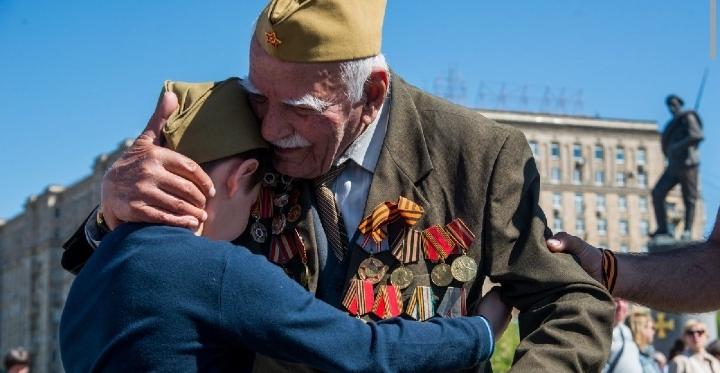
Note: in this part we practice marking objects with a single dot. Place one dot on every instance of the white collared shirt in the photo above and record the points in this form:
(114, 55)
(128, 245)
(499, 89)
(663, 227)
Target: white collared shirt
(352, 186)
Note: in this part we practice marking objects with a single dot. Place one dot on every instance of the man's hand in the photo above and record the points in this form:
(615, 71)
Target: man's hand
(590, 257)
(495, 311)
(153, 184)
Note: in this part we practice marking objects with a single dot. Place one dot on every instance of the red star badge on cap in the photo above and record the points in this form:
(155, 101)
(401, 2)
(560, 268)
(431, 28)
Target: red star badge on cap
(272, 39)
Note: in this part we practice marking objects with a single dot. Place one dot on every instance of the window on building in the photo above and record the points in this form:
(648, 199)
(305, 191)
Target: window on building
(535, 147)
(642, 179)
(599, 177)
(641, 156)
(599, 153)
(558, 224)
(644, 227)
(555, 150)
(577, 176)
(620, 154)
(579, 203)
(620, 178)
(577, 151)
(557, 200)
(580, 225)
(643, 204)
(622, 203)
(555, 175)
(600, 202)
(602, 227)
(624, 248)
(623, 227)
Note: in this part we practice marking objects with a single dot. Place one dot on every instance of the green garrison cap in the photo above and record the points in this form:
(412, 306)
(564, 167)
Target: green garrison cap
(321, 30)
(213, 121)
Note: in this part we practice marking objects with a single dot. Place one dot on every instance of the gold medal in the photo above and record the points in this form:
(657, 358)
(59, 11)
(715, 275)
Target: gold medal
(464, 268)
(441, 275)
(294, 214)
(372, 270)
(401, 277)
(305, 276)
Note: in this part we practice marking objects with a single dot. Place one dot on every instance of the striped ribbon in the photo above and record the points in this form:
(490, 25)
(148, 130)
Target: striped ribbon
(408, 245)
(438, 243)
(453, 303)
(358, 299)
(387, 212)
(284, 247)
(460, 232)
(265, 203)
(421, 306)
(388, 302)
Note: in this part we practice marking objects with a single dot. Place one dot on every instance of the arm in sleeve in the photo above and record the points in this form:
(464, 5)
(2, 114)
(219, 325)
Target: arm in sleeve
(694, 133)
(565, 316)
(264, 310)
(78, 247)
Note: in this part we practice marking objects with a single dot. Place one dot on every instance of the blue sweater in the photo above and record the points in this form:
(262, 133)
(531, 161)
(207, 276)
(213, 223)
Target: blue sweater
(155, 298)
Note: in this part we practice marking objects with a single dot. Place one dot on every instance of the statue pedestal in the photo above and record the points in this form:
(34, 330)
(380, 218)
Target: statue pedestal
(670, 325)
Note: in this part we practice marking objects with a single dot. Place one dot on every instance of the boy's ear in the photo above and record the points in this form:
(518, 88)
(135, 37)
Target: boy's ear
(241, 176)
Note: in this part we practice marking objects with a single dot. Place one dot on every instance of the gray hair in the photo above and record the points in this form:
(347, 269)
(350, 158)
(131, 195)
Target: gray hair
(355, 73)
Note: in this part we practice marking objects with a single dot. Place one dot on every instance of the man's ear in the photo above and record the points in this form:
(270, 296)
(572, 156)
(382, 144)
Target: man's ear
(375, 90)
(241, 176)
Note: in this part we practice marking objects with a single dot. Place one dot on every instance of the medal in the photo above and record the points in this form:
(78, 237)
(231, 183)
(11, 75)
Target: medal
(281, 200)
(438, 243)
(421, 305)
(460, 233)
(258, 232)
(401, 277)
(305, 276)
(278, 224)
(453, 303)
(464, 268)
(269, 179)
(294, 213)
(441, 275)
(372, 270)
(358, 299)
(388, 302)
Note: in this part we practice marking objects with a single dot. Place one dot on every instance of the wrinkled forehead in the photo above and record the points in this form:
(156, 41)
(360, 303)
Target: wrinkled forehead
(271, 76)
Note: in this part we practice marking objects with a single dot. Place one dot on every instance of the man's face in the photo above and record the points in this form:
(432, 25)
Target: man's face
(304, 112)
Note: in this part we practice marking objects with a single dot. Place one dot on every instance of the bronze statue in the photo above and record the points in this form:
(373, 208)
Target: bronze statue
(680, 142)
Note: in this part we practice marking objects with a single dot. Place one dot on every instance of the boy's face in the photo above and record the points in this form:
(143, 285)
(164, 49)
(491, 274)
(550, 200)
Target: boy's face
(237, 190)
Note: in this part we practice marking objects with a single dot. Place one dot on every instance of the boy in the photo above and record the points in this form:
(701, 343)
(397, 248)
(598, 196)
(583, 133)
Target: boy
(157, 298)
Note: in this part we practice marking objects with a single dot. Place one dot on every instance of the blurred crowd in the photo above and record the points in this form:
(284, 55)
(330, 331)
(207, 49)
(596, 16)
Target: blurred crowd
(632, 348)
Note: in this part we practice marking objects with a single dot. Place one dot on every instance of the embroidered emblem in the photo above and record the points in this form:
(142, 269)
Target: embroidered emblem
(272, 39)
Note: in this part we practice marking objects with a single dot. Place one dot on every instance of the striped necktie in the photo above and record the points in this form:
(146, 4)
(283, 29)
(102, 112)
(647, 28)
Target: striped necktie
(330, 216)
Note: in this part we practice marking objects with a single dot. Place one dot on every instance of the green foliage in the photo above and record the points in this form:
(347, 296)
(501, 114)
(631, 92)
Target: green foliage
(505, 348)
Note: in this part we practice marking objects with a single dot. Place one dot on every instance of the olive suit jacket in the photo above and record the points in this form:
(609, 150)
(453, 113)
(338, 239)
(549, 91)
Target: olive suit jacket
(456, 163)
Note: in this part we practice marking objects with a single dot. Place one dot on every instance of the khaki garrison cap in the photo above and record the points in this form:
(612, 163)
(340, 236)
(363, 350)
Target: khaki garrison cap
(321, 30)
(213, 121)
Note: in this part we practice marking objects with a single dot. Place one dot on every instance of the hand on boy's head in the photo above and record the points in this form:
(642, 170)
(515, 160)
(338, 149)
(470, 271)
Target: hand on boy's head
(152, 184)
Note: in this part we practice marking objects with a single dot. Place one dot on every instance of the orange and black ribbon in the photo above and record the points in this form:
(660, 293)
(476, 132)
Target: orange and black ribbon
(408, 245)
(374, 225)
(609, 269)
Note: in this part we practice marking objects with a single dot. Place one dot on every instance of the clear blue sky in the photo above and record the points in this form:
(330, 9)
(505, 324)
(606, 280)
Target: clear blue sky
(76, 77)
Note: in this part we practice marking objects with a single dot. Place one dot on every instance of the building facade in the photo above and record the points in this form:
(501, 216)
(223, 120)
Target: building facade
(596, 177)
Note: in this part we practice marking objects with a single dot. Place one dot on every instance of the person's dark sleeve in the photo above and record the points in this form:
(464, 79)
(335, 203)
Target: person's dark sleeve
(565, 316)
(78, 248)
(264, 310)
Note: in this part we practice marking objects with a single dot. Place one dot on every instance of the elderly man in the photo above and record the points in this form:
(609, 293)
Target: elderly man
(681, 280)
(399, 192)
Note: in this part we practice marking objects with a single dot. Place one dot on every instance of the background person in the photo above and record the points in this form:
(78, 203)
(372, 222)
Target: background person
(695, 359)
(624, 353)
(17, 360)
(643, 330)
